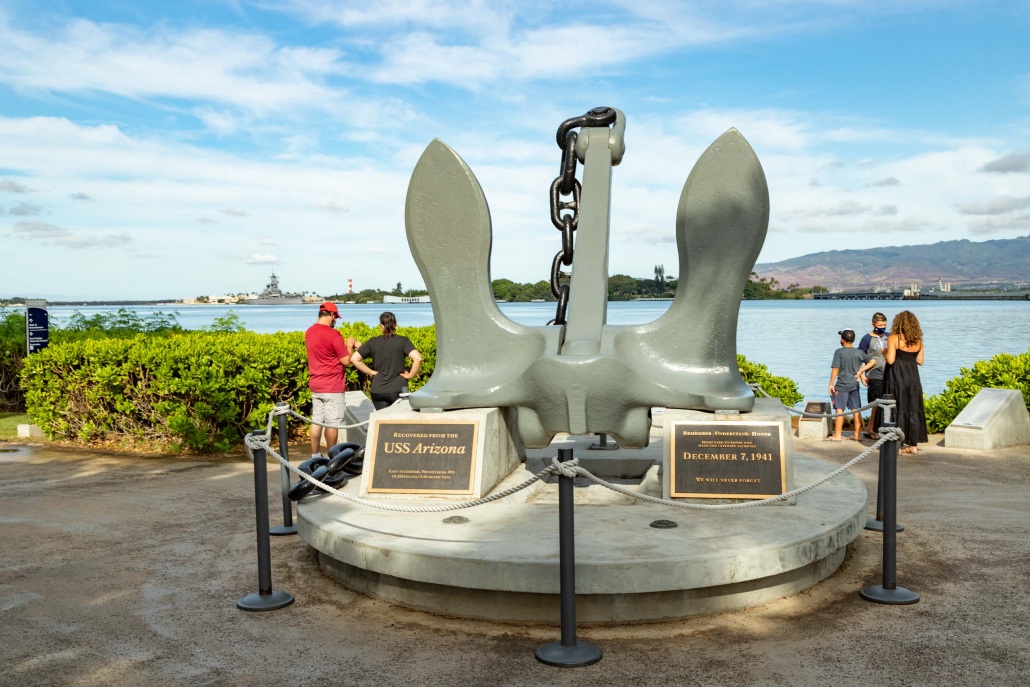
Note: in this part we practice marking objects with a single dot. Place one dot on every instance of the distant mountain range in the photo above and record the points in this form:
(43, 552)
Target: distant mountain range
(958, 262)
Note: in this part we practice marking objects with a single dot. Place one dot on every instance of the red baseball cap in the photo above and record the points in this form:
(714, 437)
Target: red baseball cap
(329, 306)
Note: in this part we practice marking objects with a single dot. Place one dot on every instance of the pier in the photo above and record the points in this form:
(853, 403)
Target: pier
(932, 296)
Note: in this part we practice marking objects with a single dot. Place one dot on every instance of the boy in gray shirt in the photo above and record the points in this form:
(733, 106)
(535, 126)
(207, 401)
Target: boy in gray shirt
(844, 377)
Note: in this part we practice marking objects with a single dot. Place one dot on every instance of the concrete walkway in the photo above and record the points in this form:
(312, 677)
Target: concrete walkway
(119, 570)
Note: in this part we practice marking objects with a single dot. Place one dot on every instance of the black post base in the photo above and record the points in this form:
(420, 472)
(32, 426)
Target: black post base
(877, 525)
(581, 654)
(282, 530)
(257, 601)
(899, 596)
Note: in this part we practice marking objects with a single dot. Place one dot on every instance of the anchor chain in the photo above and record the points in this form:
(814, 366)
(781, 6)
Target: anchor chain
(564, 186)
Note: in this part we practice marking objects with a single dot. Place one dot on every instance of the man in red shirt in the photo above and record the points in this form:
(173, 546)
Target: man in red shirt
(328, 357)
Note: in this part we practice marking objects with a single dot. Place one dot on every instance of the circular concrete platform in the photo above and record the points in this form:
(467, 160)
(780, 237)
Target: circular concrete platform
(502, 564)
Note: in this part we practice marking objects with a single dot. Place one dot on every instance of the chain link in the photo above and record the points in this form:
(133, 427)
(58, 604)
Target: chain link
(565, 213)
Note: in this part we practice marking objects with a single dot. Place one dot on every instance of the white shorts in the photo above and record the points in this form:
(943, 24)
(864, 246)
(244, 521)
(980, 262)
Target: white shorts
(327, 408)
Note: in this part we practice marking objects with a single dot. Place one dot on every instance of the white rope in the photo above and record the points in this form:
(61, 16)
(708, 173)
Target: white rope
(568, 469)
(254, 442)
(286, 410)
(884, 403)
(887, 435)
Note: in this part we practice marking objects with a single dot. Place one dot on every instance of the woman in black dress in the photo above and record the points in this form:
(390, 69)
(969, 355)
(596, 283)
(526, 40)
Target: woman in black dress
(901, 378)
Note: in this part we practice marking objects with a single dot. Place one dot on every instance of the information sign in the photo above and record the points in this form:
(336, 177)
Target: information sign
(735, 460)
(37, 326)
(435, 457)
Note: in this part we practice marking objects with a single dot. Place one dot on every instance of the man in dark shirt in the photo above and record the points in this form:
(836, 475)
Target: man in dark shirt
(875, 344)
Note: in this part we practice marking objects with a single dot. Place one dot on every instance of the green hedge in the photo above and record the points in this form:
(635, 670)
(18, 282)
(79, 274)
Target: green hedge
(202, 391)
(188, 391)
(12, 354)
(1003, 371)
(195, 391)
(783, 388)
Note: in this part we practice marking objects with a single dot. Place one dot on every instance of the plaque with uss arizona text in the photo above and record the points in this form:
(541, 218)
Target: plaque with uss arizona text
(727, 460)
(435, 457)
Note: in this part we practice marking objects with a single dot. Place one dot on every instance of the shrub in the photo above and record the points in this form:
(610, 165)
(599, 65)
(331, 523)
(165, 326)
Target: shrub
(196, 391)
(1003, 371)
(12, 354)
(122, 323)
(783, 388)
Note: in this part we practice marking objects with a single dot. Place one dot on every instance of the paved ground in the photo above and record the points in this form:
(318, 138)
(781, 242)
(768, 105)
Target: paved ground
(125, 570)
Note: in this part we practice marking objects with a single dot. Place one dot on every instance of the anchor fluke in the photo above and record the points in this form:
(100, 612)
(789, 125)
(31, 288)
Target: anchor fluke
(480, 352)
(721, 223)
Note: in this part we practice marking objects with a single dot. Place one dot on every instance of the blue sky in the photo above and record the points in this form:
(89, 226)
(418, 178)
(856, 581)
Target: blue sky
(169, 150)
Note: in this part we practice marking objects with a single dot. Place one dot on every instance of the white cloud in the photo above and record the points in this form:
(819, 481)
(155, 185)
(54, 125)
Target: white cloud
(13, 186)
(332, 206)
(995, 206)
(243, 70)
(23, 210)
(260, 259)
(1007, 164)
(54, 235)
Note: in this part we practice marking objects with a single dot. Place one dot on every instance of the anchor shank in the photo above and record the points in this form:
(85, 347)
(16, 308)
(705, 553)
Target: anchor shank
(588, 290)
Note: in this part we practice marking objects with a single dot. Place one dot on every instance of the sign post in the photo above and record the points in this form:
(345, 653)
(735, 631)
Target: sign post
(37, 325)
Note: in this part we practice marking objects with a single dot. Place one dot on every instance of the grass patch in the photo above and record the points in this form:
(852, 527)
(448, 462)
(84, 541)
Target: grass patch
(9, 425)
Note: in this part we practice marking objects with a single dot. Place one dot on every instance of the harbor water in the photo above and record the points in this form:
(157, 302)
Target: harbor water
(793, 338)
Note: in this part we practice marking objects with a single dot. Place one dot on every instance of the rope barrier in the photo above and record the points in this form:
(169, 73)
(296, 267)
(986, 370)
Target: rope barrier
(886, 404)
(568, 469)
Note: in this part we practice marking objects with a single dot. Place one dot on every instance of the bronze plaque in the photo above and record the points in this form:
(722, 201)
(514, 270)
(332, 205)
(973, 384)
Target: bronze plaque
(821, 407)
(423, 457)
(727, 460)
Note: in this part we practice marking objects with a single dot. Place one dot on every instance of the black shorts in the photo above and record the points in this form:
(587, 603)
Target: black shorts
(875, 390)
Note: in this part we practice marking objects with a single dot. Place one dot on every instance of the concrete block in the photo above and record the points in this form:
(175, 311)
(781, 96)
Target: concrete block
(29, 432)
(995, 418)
(359, 409)
(813, 428)
(496, 449)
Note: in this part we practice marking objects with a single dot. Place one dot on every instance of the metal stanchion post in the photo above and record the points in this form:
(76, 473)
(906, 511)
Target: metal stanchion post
(567, 653)
(876, 524)
(288, 527)
(266, 598)
(603, 443)
(889, 592)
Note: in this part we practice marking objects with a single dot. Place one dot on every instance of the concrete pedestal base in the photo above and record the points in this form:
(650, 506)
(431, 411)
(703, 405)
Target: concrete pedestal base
(501, 562)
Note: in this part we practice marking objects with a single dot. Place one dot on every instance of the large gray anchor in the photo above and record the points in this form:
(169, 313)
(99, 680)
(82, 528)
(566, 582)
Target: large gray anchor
(587, 376)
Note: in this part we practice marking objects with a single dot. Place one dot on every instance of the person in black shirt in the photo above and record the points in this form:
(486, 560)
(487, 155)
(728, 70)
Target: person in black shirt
(388, 353)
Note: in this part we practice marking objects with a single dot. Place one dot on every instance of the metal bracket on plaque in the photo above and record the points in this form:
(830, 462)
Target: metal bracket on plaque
(588, 377)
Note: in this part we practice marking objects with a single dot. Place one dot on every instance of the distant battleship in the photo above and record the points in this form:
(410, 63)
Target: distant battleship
(273, 296)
